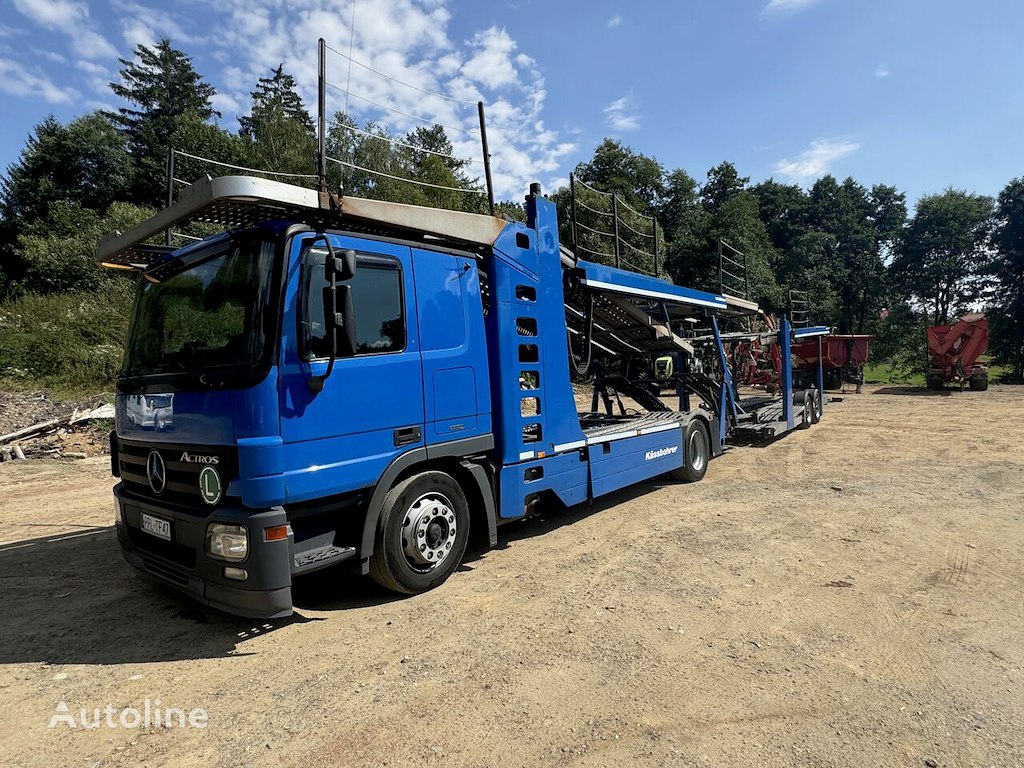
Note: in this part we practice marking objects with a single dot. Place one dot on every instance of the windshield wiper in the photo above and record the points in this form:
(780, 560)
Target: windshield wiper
(127, 382)
(200, 377)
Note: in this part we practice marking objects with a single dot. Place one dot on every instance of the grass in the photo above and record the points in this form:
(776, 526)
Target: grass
(888, 373)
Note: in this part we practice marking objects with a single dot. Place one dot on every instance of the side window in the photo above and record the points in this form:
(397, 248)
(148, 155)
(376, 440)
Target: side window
(376, 295)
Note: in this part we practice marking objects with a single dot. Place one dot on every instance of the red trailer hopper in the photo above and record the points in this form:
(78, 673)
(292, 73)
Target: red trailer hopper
(954, 350)
(842, 358)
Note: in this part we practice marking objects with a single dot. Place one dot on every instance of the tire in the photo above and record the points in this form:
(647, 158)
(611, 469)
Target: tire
(979, 383)
(429, 508)
(696, 453)
(807, 412)
(815, 406)
(935, 382)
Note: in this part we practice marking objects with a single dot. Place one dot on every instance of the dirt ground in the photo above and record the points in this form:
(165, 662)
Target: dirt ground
(846, 596)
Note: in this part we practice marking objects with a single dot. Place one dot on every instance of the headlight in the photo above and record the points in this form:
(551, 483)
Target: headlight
(227, 542)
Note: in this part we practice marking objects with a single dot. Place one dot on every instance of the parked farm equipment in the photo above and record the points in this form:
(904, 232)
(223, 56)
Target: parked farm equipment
(954, 351)
(842, 360)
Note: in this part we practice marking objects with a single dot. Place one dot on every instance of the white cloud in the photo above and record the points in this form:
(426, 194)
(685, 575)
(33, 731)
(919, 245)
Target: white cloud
(407, 40)
(18, 81)
(619, 115)
(788, 6)
(491, 63)
(816, 160)
(64, 15)
(614, 21)
(145, 25)
(71, 18)
(881, 71)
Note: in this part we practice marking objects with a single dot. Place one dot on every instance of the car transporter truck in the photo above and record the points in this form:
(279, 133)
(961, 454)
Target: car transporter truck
(365, 383)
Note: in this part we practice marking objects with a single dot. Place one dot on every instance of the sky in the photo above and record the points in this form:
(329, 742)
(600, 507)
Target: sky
(919, 94)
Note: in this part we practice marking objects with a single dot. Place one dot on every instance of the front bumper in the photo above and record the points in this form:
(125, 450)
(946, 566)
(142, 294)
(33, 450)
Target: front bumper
(182, 562)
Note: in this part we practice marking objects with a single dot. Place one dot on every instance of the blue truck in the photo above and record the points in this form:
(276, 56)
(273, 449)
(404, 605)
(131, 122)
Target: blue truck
(375, 385)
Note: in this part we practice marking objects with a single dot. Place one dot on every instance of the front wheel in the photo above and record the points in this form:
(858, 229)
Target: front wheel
(422, 533)
(696, 453)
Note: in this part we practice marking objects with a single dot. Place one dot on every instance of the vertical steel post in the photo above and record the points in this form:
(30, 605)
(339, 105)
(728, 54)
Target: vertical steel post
(615, 230)
(572, 212)
(787, 373)
(654, 230)
(321, 108)
(170, 188)
(746, 279)
(727, 400)
(721, 277)
(821, 376)
(487, 157)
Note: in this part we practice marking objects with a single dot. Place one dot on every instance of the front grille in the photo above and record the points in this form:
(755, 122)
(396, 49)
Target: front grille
(165, 570)
(182, 488)
(171, 551)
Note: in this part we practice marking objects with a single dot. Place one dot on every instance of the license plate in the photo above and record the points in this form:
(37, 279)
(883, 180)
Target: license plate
(156, 526)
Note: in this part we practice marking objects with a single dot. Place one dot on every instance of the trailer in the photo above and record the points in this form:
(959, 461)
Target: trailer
(842, 356)
(366, 384)
(954, 352)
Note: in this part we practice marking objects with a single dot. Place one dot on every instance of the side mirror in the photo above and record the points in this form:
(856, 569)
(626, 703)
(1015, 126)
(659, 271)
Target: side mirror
(339, 310)
(340, 320)
(341, 267)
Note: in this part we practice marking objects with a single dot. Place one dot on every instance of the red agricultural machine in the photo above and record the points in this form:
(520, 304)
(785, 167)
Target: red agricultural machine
(842, 359)
(954, 351)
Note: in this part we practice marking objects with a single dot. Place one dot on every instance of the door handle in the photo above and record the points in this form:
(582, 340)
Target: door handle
(407, 436)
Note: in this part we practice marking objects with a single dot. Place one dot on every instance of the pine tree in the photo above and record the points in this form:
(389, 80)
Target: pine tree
(279, 127)
(162, 83)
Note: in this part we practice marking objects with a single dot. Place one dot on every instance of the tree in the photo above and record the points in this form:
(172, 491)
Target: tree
(428, 157)
(167, 91)
(638, 184)
(279, 127)
(85, 161)
(940, 261)
(57, 253)
(1008, 269)
(728, 212)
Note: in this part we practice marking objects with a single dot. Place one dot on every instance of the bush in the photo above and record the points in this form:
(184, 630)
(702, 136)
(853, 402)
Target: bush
(72, 340)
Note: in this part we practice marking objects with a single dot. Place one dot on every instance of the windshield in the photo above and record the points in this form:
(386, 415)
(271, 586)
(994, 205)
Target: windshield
(215, 314)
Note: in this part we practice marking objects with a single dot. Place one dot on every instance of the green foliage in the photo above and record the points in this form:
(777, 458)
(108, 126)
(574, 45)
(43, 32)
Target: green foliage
(278, 128)
(1006, 314)
(70, 340)
(57, 254)
(423, 154)
(939, 263)
(86, 160)
(166, 91)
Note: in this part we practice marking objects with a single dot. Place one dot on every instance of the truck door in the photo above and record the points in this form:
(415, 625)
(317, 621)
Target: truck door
(456, 390)
(371, 406)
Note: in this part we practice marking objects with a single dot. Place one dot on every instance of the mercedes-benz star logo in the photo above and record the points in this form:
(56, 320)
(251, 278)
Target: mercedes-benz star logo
(156, 471)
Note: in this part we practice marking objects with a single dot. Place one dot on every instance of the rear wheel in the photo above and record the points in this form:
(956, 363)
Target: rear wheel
(935, 382)
(815, 406)
(806, 414)
(979, 382)
(422, 533)
(696, 453)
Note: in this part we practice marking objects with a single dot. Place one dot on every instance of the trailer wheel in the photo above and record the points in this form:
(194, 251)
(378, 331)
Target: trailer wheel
(807, 413)
(422, 533)
(935, 382)
(696, 452)
(815, 406)
(979, 382)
